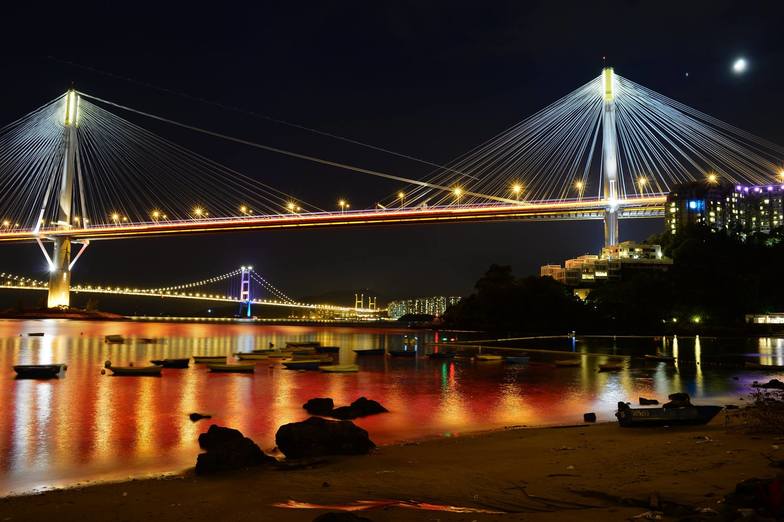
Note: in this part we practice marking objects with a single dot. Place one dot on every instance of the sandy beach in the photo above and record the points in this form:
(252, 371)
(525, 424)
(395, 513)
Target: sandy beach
(590, 472)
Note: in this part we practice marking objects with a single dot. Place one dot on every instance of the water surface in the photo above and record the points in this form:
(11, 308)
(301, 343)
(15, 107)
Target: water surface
(88, 426)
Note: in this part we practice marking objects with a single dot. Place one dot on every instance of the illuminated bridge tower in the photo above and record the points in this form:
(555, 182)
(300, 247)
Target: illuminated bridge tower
(245, 298)
(60, 263)
(609, 158)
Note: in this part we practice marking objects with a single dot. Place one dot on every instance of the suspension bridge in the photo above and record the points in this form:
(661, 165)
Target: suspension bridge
(74, 171)
(241, 286)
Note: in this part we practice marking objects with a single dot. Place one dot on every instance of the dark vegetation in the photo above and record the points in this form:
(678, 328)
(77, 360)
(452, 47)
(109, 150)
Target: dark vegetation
(715, 280)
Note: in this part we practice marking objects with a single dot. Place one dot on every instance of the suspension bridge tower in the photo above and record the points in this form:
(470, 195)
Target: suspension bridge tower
(60, 263)
(245, 299)
(609, 158)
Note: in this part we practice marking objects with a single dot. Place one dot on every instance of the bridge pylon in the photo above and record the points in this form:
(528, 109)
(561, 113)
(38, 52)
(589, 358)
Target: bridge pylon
(609, 157)
(245, 298)
(60, 263)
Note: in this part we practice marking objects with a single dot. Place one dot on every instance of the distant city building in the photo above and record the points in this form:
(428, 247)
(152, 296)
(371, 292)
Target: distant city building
(612, 264)
(435, 306)
(737, 209)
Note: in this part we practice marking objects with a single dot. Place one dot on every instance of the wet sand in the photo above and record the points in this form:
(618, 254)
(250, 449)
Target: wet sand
(548, 474)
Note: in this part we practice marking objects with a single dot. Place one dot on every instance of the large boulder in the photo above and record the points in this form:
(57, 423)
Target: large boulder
(361, 407)
(319, 406)
(317, 437)
(228, 449)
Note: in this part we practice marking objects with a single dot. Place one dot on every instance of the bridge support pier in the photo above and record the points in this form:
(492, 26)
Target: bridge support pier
(60, 274)
(611, 226)
(609, 158)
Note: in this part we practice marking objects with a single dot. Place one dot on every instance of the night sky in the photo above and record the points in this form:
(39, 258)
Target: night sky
(429, 79)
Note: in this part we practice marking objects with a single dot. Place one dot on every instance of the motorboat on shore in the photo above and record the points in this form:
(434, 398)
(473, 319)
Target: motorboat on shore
(685, 415)
(172, 363)
(231, 368)
(136, 371)
(568, 363)
(369, 351)
(204, 359)
(303, 364)
(339, 368)
(114, 339)
(39, 371)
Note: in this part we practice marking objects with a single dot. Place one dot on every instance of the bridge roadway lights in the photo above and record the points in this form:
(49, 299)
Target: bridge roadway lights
(60, 274)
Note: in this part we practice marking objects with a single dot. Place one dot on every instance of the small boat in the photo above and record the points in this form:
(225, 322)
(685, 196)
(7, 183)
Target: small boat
(201, 359)
(136, 371)
(327, 349)
(114, 339)
(369, 351)
(279, 355)
(38, 371)
(659, 358)
(339, 368)
(610, 367)
(487, 357)
(303, 351)
(35, 334)
(172, 363)
(402, 353)
(517, 359)
(264, 350)
(146, 340)
(765, 367)
(638, 417)
(304, 344)
(250, 356)
(232, 368)
(442, 355)
(568, 363)
(303, 364)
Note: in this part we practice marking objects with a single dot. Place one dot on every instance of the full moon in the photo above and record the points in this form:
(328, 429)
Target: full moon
(739, 66)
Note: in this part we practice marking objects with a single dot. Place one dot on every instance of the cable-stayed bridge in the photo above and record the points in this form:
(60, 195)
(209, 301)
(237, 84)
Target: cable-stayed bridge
(74, 170)
(243, 286)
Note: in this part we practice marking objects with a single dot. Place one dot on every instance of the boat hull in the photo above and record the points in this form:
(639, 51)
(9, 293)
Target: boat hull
(689, 415)
(38, 371)
(172, 363)
(232, 368)
(206, 359)
(340, 368)
(303, 365)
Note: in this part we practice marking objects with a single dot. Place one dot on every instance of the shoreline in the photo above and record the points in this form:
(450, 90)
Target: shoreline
(508, 470)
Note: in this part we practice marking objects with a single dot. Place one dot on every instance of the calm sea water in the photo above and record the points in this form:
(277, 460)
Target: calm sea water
(88, 426)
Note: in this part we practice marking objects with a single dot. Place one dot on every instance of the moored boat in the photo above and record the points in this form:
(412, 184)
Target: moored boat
(339, 368)
(172, 363)
(517, 359)
(39, 371)
(35, 334)
(659, 358)
(231, 368)
(327, 349)
(146, 340)
(568, 363)
(402, 353)
(303, 364)
(765, 367)
(202, 359)
(369, 351)
(634, 417)
(250, 356)
(114, 339)
(487, 357)
(136, 371)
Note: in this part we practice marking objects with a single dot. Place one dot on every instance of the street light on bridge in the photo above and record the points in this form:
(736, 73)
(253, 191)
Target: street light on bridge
(343, 204)
(712, 178)
(579, 185)
(402, 197)
(642, 182)
(458, 193)
(517, 189)
(781, 175)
